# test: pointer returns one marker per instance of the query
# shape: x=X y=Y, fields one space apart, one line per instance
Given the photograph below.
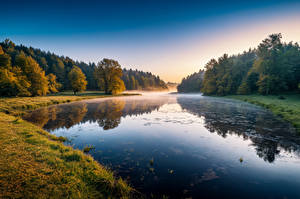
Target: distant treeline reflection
x=107 y=113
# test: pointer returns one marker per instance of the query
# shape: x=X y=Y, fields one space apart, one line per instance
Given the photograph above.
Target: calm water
x=184 y=146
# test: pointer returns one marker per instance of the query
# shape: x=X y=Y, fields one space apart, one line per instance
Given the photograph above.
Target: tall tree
x=35 y=75
x=53 y=85
x=77 y=80
x=108 y=74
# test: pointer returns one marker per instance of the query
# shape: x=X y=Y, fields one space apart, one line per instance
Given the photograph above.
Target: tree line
x=139 y=80
x=271 y=68
x=27 y=71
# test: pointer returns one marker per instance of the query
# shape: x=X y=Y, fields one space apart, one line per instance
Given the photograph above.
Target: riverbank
x=36 y=164
x=287 y=106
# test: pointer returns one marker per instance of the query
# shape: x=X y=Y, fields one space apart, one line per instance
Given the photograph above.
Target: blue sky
x=169 y=38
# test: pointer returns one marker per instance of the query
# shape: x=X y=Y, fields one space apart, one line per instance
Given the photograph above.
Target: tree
x=191 y=83
x=12 y=81
x=209 y=81
x=53 y=85
x=77 y=80
x=108 y=73
x=132 y=83
x=1 y=50
x=270 y=65
x=34 y=74
x=13 y=85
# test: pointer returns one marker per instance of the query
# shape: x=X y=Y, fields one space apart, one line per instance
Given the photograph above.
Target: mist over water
x=184 y=146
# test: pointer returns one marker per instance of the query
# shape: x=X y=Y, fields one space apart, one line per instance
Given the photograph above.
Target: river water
x=184 y=146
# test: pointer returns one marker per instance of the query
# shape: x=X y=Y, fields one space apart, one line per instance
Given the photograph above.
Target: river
x=184 y=145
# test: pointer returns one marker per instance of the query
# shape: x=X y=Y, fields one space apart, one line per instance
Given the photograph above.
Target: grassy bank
x=35 y=164
x=286 y=106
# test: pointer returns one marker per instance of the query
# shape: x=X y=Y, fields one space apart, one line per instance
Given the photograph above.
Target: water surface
x=184 y=146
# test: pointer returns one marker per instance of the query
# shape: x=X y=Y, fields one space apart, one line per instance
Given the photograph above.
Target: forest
x=271 y=68
x=27 y=71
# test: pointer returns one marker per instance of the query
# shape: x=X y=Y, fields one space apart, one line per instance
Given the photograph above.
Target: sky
x=169 y=38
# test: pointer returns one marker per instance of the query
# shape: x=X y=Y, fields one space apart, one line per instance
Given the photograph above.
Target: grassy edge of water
x=36 y=164
x=286 y=106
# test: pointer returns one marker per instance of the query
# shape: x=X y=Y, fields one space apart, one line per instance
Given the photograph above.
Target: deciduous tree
x=108 y=74
x=77 y=80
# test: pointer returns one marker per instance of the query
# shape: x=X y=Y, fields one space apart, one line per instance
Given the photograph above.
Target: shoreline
x=288 y=108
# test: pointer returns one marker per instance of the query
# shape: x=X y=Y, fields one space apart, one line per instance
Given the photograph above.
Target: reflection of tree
x=58 y=116
x=268 y=134
x=106 y=113
x=266 y=149
x=42 y=116
x=74 y=114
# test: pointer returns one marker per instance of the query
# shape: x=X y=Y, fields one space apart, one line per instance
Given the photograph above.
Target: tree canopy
x=108 y=73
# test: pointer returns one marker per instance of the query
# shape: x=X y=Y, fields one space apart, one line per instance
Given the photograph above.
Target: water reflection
x=107 y=113
x=269 y=134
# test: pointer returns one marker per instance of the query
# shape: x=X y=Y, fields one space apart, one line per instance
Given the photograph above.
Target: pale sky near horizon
x=169 y=38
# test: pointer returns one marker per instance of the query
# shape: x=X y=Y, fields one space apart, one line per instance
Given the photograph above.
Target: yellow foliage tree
x=108 y=74
x=53 y=85
x=77 y=80
x=35 y=75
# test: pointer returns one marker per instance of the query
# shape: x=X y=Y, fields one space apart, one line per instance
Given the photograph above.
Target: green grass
x=36 y=164
x=288 y=108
